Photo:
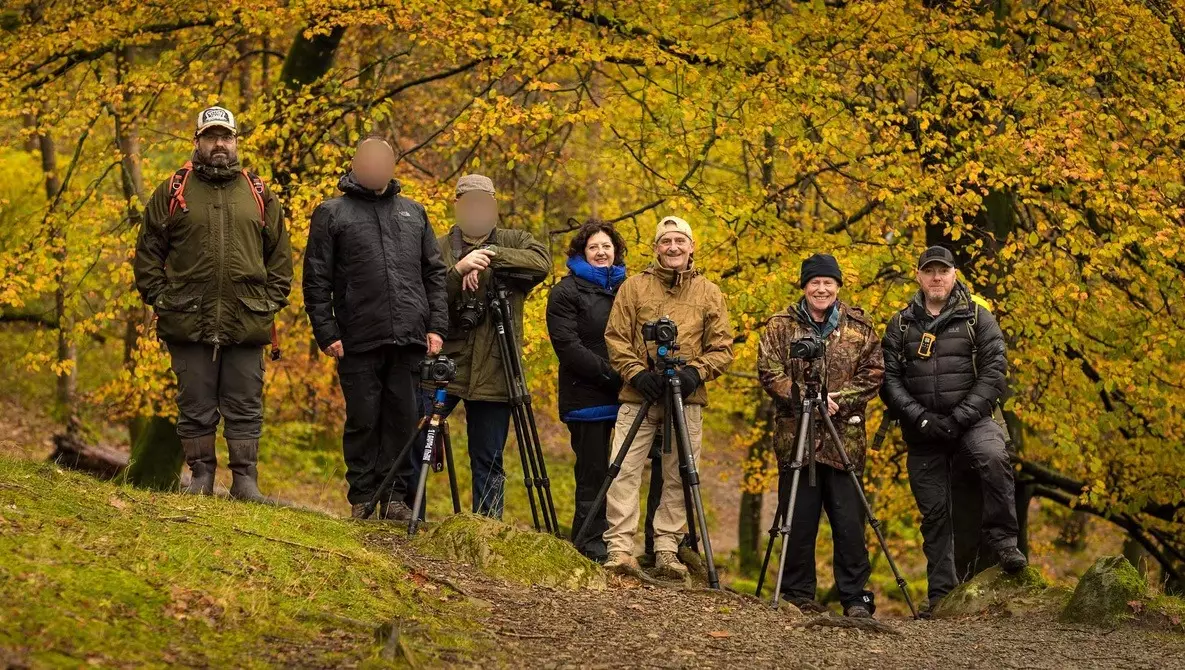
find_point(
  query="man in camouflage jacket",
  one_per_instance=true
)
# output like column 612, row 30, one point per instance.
column 852, row 371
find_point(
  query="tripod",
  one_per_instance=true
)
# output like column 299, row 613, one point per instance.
column 675, row 428
column 814, row 406
column 436, row 424
column 530, row 449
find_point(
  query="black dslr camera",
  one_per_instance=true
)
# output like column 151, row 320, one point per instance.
column 472, row 311
column 809, row 348
column 662, row 331
column 438, row 370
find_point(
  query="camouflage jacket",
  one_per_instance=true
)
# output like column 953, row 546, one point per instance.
column 853, row 369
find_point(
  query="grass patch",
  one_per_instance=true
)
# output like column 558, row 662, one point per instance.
column 93, row 572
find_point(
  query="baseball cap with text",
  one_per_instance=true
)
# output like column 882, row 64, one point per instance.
column 219, row 117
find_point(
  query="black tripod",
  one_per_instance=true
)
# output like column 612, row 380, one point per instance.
column 675, row 427
column 530, row 449
column 814, row 406
column 437, row 426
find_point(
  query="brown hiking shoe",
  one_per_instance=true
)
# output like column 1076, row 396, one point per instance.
column 357, row 510
column 397, row 510
column 666, row 564
column 623, row 562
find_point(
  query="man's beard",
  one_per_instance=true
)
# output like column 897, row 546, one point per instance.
column 937, row 295
column 218, row 159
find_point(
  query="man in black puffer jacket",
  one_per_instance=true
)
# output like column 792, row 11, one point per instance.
column 944, row 375
column 374, row 288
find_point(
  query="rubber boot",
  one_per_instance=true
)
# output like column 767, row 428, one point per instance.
column 243, row 473
column 199, row 454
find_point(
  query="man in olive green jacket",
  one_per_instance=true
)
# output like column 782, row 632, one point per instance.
column 476, row 251
column 214, row 262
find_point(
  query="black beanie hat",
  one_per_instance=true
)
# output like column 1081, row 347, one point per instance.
column 820, row 265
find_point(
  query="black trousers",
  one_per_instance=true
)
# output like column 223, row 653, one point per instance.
column 592, row 442
column 226, row 385
column 836, row 493
column 929, row 465
column 380, row 388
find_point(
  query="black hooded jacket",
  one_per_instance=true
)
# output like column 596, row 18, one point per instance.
column 373, row 274
column 963, row 377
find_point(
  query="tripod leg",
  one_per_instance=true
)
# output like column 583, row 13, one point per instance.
column 425, row 464
column 799, row 452
column 500, row 310
column 543, row 483
column 614, row 470
column 783, row 496
column 389, row 478
column 684, row 442
column 448, row 463
column 669, row 436
column 872, row 520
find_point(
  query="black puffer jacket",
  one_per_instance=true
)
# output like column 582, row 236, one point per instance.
column 577, row 311
column 372, row 271
column 951, row 381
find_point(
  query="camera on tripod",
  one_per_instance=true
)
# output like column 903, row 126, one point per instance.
column 438, row 370
column 808, row 348
column 662, row 331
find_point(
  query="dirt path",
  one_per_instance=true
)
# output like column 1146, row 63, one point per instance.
column 635, row 625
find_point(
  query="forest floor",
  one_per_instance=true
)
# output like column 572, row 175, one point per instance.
column 93, row 573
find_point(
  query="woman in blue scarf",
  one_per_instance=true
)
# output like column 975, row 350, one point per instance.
column 577, row 311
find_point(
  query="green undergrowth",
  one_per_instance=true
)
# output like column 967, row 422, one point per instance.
column 91, row 572
column 508, row 553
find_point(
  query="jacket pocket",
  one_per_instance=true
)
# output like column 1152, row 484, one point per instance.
column 255, row 319
column 178, row 316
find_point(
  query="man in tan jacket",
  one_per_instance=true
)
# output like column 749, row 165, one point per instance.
column 670, row 287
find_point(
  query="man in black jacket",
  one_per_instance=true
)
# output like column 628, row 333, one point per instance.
column 944, row 375
column 374, row 287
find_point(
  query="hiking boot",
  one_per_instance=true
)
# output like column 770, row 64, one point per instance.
column 807, row 605
column 397, row 510
column 623, row 562
column 858, row 612
column 199, row 454
column 1012, row 560
column 666, row 564
column 357, row 510
column 243, row 454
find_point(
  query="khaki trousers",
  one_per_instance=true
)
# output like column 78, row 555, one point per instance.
column 622, row 502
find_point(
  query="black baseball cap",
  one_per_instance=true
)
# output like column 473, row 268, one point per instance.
column 936, row 255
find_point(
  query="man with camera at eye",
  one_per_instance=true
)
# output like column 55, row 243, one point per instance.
column 671, row 287
column 482, row 258
column 374, row 288
column 821, row 326
column 944, row 377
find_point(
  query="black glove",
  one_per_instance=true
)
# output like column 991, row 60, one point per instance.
column 649, row 384
column 937, row 427
column 689, row 381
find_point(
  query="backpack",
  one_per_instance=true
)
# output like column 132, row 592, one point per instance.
column 177, row 201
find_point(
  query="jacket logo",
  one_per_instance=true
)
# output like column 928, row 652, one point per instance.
column 405, row 213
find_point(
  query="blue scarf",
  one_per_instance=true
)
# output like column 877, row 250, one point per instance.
column 607, row 278
column 828, row 326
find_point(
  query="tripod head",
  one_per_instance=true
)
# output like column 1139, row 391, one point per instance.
column 664, row 332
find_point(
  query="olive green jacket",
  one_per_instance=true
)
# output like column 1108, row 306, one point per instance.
column 480, row 374
column 216, row 273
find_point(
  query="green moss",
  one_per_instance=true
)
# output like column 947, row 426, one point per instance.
column 1104, row 592
column 996, row 591
column 506, row 552
column 91, row 571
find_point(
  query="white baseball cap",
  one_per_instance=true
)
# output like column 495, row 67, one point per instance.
column 216, row 117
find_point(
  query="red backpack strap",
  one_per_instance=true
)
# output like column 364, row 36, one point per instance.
column 256, row 185
column 177, row 188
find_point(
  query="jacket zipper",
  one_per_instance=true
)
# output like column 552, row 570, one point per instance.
column 221, row 269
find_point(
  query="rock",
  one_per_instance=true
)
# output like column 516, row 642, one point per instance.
column 995, row 591
column 1104, row 593
column 503, row 551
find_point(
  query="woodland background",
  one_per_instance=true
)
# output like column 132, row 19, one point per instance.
column 1040, row 140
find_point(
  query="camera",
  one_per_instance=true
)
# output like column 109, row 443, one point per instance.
column 663, row 331
column 808, row 348
column 438, row 370
column 472, row 311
